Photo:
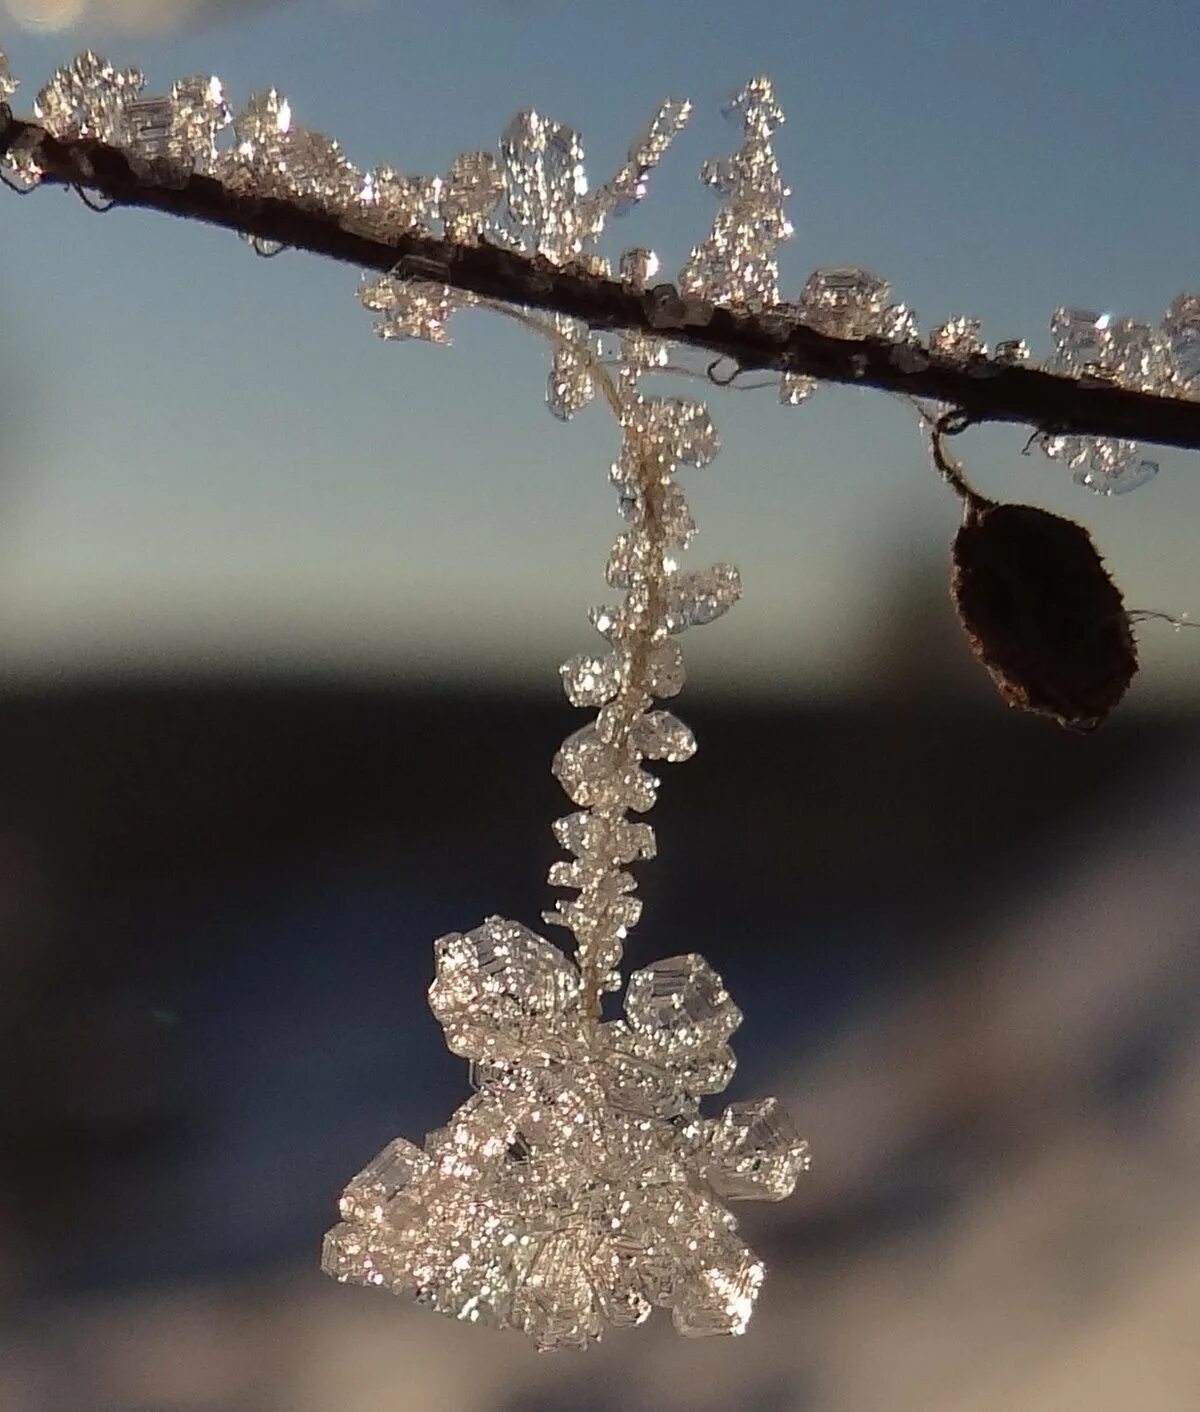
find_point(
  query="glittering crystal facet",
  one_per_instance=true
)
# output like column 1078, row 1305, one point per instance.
column 634, row 556
column 1123, row 351
column 1073, row 450
column 411, row 308
column 665, row 673
column 1139, row 355
column 845, row 302
column 149, row 123
column 736, row 263
column 658, row 735
column 614, row 840
column 87, row 99
column 594, row 772
column 795, row 388
column 757, row 1153
column 1115, row 473
column 898, row 324
column 200, row 114
column 719, row 1298
column 956, row 338
column 1181, row 325
column 372, row 1192
column 8, row 84
column 681, row 1003
column 473, row 189
column 638, row 267
column 353, row 1254
column 545, row 179
column 496, row 985
column 22, row 161
column 591, row 681
column 1080, row 339
column 1012, row 351
column 700, row 596
column 676, row 430
column 572, row 382
column 579, row 1187
column 273, row 155
column 645, row 152
column 387, row 204
column 556, row 1304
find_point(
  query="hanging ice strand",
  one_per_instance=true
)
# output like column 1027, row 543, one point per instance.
column 581, row 1184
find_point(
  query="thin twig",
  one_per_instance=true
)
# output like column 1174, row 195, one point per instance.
column 952, row 423
column 984, row 390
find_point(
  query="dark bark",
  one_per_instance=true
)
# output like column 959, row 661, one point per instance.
column 984, row 390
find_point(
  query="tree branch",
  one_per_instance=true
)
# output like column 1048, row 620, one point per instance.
column 983, row 389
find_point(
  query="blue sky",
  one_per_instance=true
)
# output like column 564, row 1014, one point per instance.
column 208, row 460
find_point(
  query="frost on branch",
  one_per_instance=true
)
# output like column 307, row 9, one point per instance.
column 535, row 198
column 533, row 195
column 1089, row 344
column 736, row 264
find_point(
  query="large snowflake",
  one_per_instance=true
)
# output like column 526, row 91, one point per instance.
column 580, row 1184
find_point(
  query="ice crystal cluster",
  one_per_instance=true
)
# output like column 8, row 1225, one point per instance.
column 532, row 194
column 853, row 303
column 582, row 1185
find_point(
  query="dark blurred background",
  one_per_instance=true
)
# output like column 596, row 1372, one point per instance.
column 964, row 943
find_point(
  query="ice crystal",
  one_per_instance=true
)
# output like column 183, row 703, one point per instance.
column 22, row 162
column 957, row 338
column 201, row 112
column 1011, row 351
column 736, row 263
column 147, row 139
column 8, row 84
column 388, row 204
column 411, row 308
column 1139, row 356
column 580, row 1186
column 795, row 388
column 546, row 183
column 845, row 302
column 473, row 189
column 701, row 596
column 592, row 681
column 638, row 267
column 1122, row 351
column 88, row 98
column 273, row 155
column 898, row 324
column 1181, row 325
column 648, row 148
column 167, row 138
column 571, row 384
column 549, row 203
